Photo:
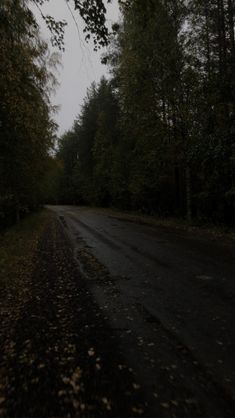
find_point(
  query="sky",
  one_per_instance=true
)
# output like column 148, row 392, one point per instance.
column 80, row 64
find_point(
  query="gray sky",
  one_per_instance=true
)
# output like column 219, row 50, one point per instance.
column 80, row 64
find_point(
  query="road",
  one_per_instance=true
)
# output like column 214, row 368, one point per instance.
column 168, row 297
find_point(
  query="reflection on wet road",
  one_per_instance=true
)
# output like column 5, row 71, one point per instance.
column 168, row 295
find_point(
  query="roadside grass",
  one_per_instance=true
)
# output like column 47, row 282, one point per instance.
column 18, row 246
column 201, row 230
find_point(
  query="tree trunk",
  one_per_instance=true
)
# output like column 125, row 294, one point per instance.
column 188, row 195
column 208, row 49
column 17, row 211
column 223, row 33
column 220, row 41
column 231, row 9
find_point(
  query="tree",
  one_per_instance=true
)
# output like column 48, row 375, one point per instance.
column 26, row 132
column 87, row 150
column 93, row 13
column 148, row 73
column 212, row 55
column 159, row 136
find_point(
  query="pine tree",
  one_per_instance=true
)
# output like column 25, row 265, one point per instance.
column 26, row 131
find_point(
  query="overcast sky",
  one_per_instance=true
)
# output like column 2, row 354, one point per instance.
column 80, row 64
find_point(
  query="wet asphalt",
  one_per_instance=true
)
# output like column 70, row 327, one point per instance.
column 168, row 296
column 119, row 319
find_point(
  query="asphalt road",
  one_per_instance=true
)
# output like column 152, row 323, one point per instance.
column 168, row 297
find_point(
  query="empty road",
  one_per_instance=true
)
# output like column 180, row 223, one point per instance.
column 168, row 296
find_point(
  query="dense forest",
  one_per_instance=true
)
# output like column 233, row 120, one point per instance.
column 158, row 135
column 26, row 125
column 27, row 128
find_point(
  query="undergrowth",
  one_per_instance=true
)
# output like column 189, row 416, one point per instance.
column 18, row 245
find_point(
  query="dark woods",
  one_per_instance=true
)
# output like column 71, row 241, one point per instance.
column 27, row 129
column 159, row 135
column 26, row 125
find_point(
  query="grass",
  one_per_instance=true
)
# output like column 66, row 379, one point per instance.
column 207, row 230
column 18, row 246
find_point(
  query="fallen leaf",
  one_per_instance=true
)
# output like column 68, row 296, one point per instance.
column 190, row 401
column 41, row 366
column 107, row 403
column 62, row 392
column 91, row 352
column 175, row 403
column 138, row 411
column 165, row 405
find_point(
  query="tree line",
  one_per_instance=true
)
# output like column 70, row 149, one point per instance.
column 27, row 128
column 158, row 135
column 26, row 124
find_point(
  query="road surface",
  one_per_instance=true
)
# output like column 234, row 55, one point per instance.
column 169, row 298
column 118, row 319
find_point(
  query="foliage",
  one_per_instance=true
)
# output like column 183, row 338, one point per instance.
column 86, row 151
column 93, row 13
column 26, row 127
column 165, row 142
column 17, row 251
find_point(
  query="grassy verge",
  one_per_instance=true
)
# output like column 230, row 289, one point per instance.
column 18, row 246
column 206, row 230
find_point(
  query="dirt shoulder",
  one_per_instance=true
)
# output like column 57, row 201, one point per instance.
column 61, row 356
column 58, row 354
column 18, row 252
column 211, row 232
column 18, row 246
